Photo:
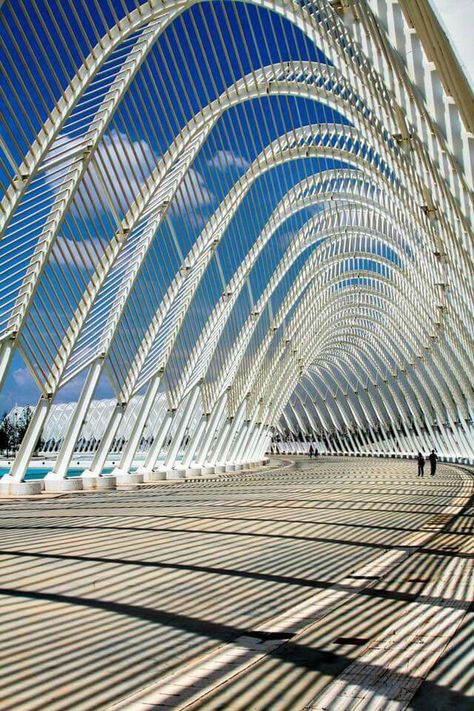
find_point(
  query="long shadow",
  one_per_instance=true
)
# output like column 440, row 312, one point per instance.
column 186, row 531
column 290, row 651
column 273, row 520
column 136, row 611
column 198, row 532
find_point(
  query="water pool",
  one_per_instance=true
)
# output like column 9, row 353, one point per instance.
column 40, row 472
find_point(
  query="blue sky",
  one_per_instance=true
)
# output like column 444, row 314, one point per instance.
column 225, row 156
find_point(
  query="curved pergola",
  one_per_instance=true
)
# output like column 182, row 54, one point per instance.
column 257, row 213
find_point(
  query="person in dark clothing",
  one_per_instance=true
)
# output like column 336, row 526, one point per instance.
column 421, row 464
column 433, row 459
column 310, row 451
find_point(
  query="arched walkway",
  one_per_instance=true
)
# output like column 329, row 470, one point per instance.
column 285, row 588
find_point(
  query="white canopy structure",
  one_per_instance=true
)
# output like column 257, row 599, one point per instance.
column 258, row 213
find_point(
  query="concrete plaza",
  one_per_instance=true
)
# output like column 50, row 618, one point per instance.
column 335, row 584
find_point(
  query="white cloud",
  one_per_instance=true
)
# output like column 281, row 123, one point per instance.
column 192, row 194
column 457, row 16
column 193, row 190
column 118, row 168
column 224, row 160
column 75, row 252
column 124, row 163
column 22, row 378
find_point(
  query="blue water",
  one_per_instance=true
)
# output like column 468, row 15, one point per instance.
column 40, row 472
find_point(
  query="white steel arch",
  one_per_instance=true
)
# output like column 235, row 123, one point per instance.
column 242, row 211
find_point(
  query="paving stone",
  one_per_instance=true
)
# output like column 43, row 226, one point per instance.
column 106, row 597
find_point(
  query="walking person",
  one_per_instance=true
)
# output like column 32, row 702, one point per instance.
column 433, row 459
column 310, row 451
column 421, row 464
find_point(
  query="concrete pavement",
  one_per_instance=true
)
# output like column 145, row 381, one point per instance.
column 343, row 584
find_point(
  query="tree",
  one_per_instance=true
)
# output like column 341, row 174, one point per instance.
column 22, row 425
column 7, row 434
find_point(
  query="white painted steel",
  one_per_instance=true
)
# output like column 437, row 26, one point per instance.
column 264, row 246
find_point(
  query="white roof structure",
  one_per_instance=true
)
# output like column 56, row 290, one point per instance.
column 259, row 212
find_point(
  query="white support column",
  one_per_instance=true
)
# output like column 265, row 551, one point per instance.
column 149, row 470
column 261, row 447
column 242, row 454
column 193, row 445
column 13, row 482
column 255, row 434
column 55, row 480
column 228, row 444
column 236, row 453
column 210, row 430
column 7, row 348
column 221, row 437
column 131, row 447
column 175, row 444
column 92, row 475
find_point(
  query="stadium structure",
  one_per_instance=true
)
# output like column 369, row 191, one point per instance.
column 248, row 223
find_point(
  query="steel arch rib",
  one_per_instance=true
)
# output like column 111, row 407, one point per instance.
column 395, row 150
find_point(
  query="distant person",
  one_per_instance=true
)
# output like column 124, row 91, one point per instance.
column 316, row 453
column 310, row 451
column 433, row 459
column 421, row 464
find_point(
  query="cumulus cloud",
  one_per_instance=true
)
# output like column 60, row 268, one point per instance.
column 75, row 253
column 117, row 170
column 225, row 160
column 22, row 378
column 114, row 176
column 193, row 194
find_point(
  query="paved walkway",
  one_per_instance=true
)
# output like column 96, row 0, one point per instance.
column 342, row 585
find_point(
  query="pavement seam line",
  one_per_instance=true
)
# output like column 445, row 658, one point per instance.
column 302, row 618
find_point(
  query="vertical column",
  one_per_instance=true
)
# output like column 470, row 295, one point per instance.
column 13, row 482
column 56, row 479
column 242, row 454
column 193, row 445
column 254, row 437
column 261, row 447
column 173, row 450
column 229, row 442
column 148, row 470
column 210, row 431
column 92, row 477
column 122, row 471
column 236, row 438
column 221, row 437
column 236, row 451
column 6, row 353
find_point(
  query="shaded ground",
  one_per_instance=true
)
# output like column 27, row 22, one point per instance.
column 103, row 595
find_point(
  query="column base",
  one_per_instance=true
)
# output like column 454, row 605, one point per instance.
column 58, row 485
column 97, row 482
column 175, row 474
column 209, row 470
column 5, row 484
column 192, row 472
column 27, row 488
column 12, row 487
column 127, row 479
column 155, row 475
